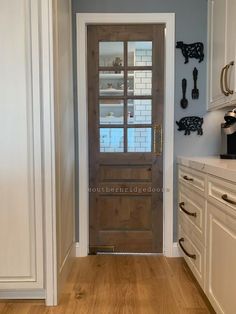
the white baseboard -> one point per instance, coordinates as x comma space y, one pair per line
24, 294
80, 251
175, 250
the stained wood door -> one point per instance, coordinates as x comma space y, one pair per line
125, 104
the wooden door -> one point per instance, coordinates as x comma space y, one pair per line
126, 97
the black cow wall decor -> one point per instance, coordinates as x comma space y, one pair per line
190, 124
195, 50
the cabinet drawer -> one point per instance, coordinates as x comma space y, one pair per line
192, 178
192, 210
222, 192
193, 252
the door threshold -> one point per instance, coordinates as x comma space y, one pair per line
127, 253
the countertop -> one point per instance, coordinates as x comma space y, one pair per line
222, 168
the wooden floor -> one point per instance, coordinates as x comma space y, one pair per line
124, 285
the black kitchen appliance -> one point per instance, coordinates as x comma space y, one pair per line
229, 135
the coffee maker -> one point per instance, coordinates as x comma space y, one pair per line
229, 135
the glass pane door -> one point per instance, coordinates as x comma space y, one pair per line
125, 96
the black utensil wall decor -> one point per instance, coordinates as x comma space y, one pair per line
195, 50
195, 91
184, 100
190, 124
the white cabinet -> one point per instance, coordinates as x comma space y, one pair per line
207, 230
221, 258
21, 238
221, 52
191, 217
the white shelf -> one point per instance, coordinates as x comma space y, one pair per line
114, 76
114, 120
114, 105
113, 91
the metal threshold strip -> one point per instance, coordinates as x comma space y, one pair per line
110, 250
129, 254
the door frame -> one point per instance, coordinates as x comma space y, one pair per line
83, 20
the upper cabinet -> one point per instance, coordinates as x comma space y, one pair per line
222, 57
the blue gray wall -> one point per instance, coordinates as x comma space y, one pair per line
191, 26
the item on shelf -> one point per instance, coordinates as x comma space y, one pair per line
195, 91
120, 85
110, 114
117, 63
184, 100
190, 124
195, 50
109, 85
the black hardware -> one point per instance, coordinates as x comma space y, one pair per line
195, 91
195, 50
184, 100
187, 178
193, 256
190, 124
225, 198
181, 205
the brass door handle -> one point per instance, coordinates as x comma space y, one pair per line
230, 91
222, 81
225, 198
193, 256
157, 140
181, 205
187, 178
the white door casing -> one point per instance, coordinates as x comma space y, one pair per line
83, 20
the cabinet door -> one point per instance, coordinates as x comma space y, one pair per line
221, 259
217, 10
21, 254
231, 51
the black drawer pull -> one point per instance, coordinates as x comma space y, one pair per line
193, 256
187, 178
181, 205
225, 198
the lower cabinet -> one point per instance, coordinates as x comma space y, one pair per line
221, 259
207, 236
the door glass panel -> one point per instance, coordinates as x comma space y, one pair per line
111, 111
111, 140
139, 111
111, 83
139, 140
111, 54
140, 84
140, 53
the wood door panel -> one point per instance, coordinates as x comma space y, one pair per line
124, 213
125, 188
128, 241
124, 210
125, 173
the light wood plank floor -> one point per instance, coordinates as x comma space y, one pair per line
123, 285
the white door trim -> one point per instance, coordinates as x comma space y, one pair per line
49, 193
83, 20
